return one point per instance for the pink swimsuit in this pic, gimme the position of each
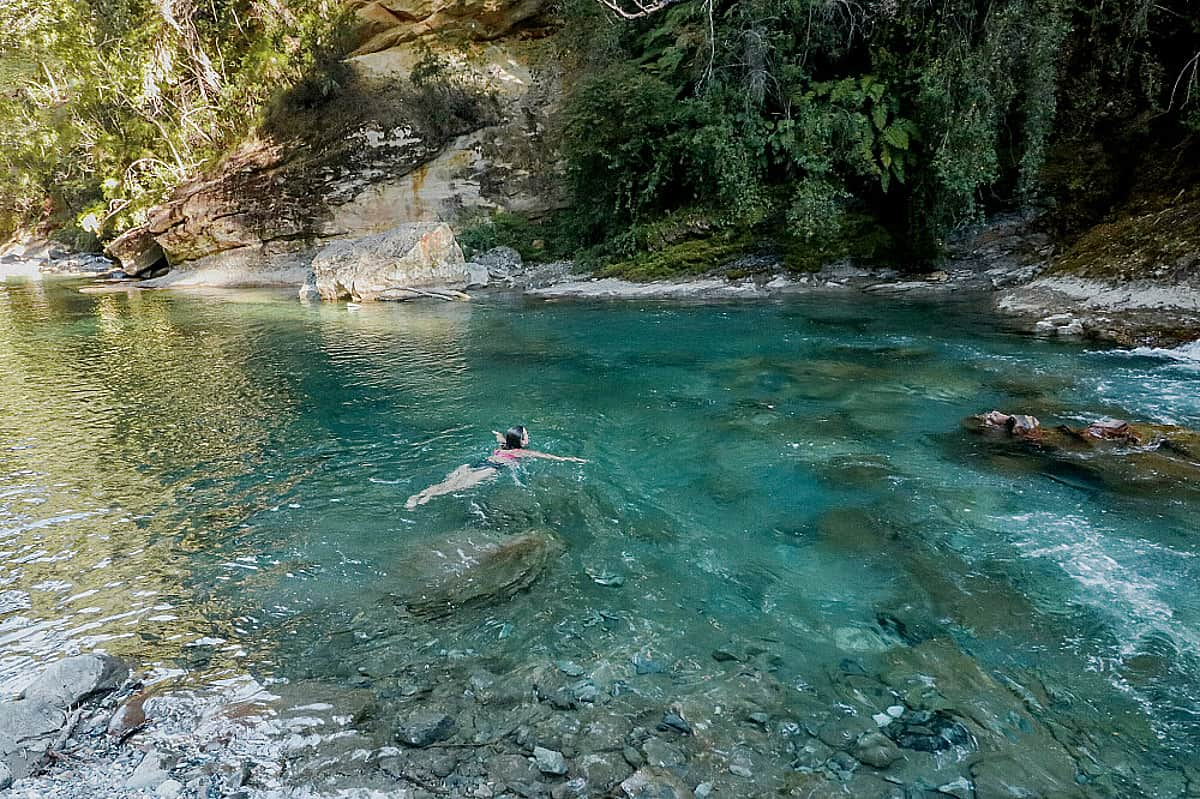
(506, 454)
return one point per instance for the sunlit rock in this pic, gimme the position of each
(399, 264)
(71, 680)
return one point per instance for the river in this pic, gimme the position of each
(213, 485)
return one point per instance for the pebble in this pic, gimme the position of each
(171, 789)
(960, 788)
(741, 771)
(632, 756)
(550, 761)
(150, 773)
(723, 655)
(643, 664)
(425, 730)
(676, 723)
(703, 790)
(570, 668)
(759, 718)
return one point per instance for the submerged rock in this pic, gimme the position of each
(395, 265)
(1120, 453)
(876, 750)
(424, 730)
(650, 783)
(957, 704)
(550, 761)
(472, 568)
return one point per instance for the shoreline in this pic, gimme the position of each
(1005, 260)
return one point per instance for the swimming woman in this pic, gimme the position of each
(513, 447)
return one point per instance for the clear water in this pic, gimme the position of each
(214, 485)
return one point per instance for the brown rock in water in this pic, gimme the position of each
(137, 250)
(1134, 455)
(472, 568)
(129, 717)
(1018, 425)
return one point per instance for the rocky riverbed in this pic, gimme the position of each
(909, 713)
(930, 724)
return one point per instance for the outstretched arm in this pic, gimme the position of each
(533, 453)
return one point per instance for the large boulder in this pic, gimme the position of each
(28, 728)
(71, 680)
(389, 266)
(137, 250)
(30, 724)
(472, 568)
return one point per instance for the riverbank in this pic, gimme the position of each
(1009, 258)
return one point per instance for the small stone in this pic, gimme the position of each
(585, 691)
(632, 756)
(674, 722)
(171, 789)
(960, 788)
(655, 784)
(877, 750)
(741, 771)
(570, 668)
(703, 790)
(151, 772)
(661, 754)
(895, 711)
(842, 733)
(643, 664)
(421, 731)
(549, 761)
(724, 656)
(841, 765)
(760, 719)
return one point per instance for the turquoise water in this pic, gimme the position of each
(214, 484)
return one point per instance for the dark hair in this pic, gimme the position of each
(514, 437)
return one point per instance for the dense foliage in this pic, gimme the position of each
(821, 126)
(108, 104)
(798, 115)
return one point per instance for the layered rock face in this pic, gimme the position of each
(383, 152)
(388, 23)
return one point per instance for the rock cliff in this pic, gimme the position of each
(439, 117)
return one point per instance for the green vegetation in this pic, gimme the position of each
(535, 239)
(822, 125)
(817, 128)
(108, 104)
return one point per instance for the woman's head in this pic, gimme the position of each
(516, 437)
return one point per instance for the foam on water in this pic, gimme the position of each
(1185, 353)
